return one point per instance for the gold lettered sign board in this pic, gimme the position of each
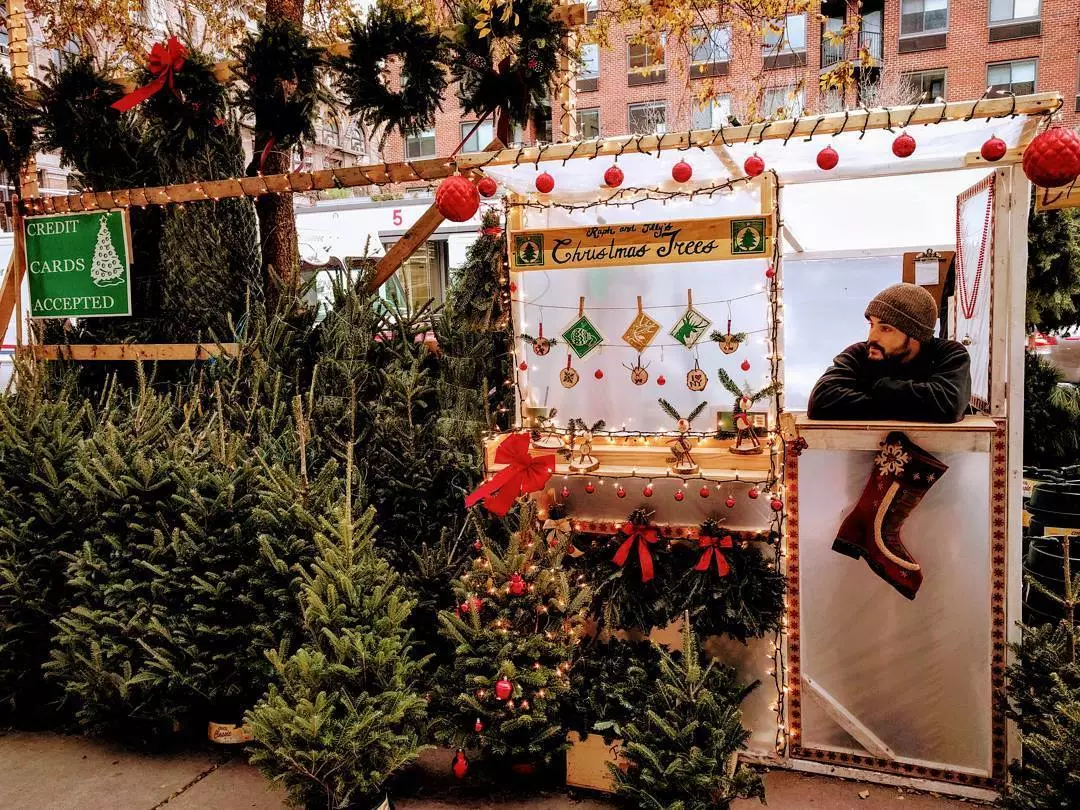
(667, 242)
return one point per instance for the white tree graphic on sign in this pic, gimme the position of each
(105, 268)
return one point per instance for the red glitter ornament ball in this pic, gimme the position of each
(599, 374)
(457, 198)
(589, 488)
(620, 492)
(682, 171)
(679, 495)
(994, 149)
(704, 492)
(753, 493)
(745, 365)
(827, 158)
(545, 183)
(903, 145)
(660, 380)
(770, 272)
(1052, 159)
(613, 177)
(730, 502)
(647, 492)
(753, 166)
(503, 689)
(776, 504)
(487, 187)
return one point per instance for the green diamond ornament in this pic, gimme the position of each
(690, 327)
(582, 336)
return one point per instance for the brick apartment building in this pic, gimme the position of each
(954, 49)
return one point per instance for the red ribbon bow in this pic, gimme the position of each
(165, 60)
(712, 546)
(643, 537)
(523, 473)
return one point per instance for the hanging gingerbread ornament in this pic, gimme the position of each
(642, 330)
(613, 177)
(638, 374)
(569, 376)
(487, 187)
(457, 198)
(827, 159)
(728, 342)
(540, 345)
(994, 149)
(545, 183)
(696, 379)
(691, 326)
(1052, 158)
(753, 165)
(682, 171)
(903, 145)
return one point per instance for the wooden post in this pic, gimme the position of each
(18, 267)
(19, 43)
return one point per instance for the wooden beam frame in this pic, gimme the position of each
(134, 351)
(438, 168)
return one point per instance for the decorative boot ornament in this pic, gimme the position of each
(903, 472)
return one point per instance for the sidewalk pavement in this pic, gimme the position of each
(54, 772)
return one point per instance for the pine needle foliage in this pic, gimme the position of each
(681, 751)
(1051, 415)
(519, 619)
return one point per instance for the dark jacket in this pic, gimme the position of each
(934, 386)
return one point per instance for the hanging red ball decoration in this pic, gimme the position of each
(679, 495)
(753, 493)
(903, 145)
(478, 545)
(599, 374)
(730, 502)
(545, 183)
(513, 286)
(503, 689)
(682, 171)
(523, 366)
(1052, 158)
(613, 177)
(660, 380)
(457, 198)
(770, 272)
(620, 492)
(487, 187)
(517, 585)
(827, 158)
(753, 166)
(776, 504)
(647, 492)
(589, 488)
(478, 726)
(745, 365)
(565, 492)
(994, 149)
(460, 765)
(704, 491)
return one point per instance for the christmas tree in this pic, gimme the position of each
(681, 750)
(343, 712)
(519, 619)
(105, 267)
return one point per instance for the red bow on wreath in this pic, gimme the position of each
(712, 546)
(165, 60)
(523, 473)
(643, 536)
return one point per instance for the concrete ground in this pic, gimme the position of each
(53, 772)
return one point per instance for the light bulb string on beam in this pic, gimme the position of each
(647, 195)
(634, 308)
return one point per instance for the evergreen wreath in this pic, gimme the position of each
(507, 55)
(390, 31)
(179, 121)
(16, 127)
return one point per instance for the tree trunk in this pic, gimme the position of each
(277, 220)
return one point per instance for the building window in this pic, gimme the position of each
(5, 41)
(484, 134)
(590, 61)
(649, 118)
(421, 277)
(708, 45)
(357, 141)
(783, 102)
(1012, 77)
(1007, 11)
(789, 35)
(645, 57)
(714, 114)
(923, 17)
(420, 145)
(331, 134)
(588, 122)
(928, 84)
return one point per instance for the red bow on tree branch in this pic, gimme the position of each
(523, 473)
(712, 546)
(643, 537)
(165, 60)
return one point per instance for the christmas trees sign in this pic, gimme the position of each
(79, 265)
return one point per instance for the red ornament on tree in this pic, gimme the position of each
(457, 198)
(478, 545)
(903, 145)
(620, 492)
(589, 488)
(599, 374)
(513, 286)
(1053, 158)
(770, 272)
(753, 493)
(478, 726)
(704, 492)
(660, 380)
(487, 187)
(545, 183)
(523, 366)
(613, 177)
(730, 502)
(460, 766)
(753, 166)
(827, 158)
(745, 365)
(503, 688)
(647, 492)
(565, 492)
(682, 171)
(994, 149)
(776, 504)
(679, 495)
(517, 585)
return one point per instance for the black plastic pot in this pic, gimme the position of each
(1054, 505)
(1045, 562)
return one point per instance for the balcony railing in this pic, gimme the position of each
(869, 38)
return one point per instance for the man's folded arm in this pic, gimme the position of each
(942, 398)
(837, 394)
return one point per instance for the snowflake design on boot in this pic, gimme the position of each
(892, 458)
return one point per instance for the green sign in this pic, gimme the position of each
(747, 236)
(79, 265)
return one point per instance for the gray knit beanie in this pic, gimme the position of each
(908, 307)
